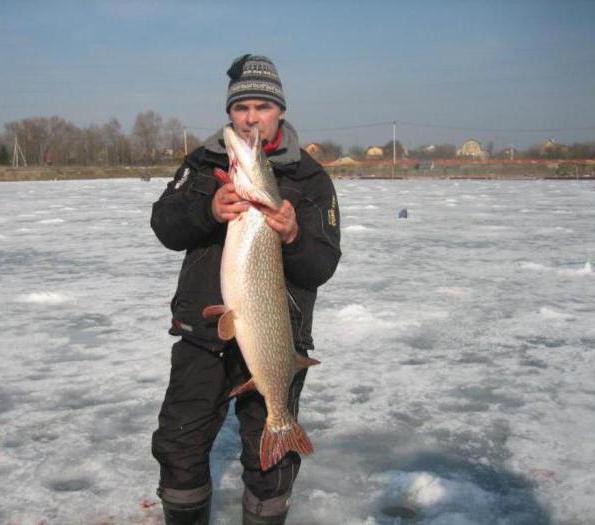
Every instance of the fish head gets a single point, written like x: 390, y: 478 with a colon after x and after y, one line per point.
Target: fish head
x: 249, y: 170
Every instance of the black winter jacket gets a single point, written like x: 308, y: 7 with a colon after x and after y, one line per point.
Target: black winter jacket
x: 182, y: 220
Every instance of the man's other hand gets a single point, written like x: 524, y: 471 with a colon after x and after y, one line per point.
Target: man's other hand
x: 283, y: 221
x: 227, y: 204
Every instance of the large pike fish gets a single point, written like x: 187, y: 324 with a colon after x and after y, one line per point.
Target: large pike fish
x: 256, y: 309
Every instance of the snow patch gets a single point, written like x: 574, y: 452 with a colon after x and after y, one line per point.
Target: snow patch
x: 550, y: 313
x: 51, y: 221
x: 433, y: 494
x: 533, y: 266
x: 355, y: 322
x: 45, y: 298
x: 356, y: 228
x: 453, y: 291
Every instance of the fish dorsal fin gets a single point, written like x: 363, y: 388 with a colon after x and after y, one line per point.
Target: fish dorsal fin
x: 243, y: 388
x: 301, y: 361
x: 225, y: 327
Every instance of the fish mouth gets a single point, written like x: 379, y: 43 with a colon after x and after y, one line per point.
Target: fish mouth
x: 244, y: 159
x: 245, y: 134
x: 241, y: 151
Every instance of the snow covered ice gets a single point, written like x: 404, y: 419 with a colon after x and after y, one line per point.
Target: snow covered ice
x: 457, y: 349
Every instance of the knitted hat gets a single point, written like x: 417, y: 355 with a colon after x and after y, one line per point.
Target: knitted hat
x: 254, y: 76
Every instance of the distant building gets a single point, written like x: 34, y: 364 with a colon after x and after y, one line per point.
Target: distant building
x: 552, y: 148
x: 374, y: 152
x: 509, y: 153
x: 548, y: 146
x: 472, y: 149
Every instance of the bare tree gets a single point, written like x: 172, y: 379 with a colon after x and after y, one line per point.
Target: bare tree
x: 192, y: 141
x: 32, y: 135
x: 113, y: 139
x: 581, y: 150
x: 388, y: 150
x: 490, y: 148
x: 330, y: 151
x: 63, y: 140
x: 4, y: 155
x: 93, y: 146
x: 356, y: 152
x: 146, y: 132
x: 173, y: 137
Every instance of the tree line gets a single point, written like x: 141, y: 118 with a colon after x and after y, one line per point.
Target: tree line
x: 55, y: 140
x: 154, y: 140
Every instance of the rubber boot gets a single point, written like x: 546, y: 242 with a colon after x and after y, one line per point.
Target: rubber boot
x: 268, y: 512
x: 196, y: 514
x: 253, y: 519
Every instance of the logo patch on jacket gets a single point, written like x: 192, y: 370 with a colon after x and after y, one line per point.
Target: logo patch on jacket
x: 183, y: 178
x: 332, y: 216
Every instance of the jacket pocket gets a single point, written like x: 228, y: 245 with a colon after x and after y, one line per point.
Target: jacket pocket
x: 191, y: 260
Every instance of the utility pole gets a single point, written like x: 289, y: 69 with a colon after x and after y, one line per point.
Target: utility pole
x: 17, y: 153
x: 394, y: 147
x: 185, y: 142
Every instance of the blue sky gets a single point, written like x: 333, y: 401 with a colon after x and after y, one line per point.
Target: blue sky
x: 429, y: 65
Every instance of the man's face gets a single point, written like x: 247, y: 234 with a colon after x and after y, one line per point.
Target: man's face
x: 265, y: 115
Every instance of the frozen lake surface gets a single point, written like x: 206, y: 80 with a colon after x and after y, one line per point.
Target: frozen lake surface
x: 457, y: 349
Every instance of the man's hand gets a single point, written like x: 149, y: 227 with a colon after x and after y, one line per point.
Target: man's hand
x: 283, y: 221
x: 227, y: 204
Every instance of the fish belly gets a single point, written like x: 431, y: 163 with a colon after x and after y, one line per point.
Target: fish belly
x: 253, y: 287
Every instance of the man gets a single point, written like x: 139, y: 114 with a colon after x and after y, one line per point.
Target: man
x: 192, y: 215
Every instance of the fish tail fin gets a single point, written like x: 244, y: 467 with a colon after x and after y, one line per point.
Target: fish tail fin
x: 274, y: 444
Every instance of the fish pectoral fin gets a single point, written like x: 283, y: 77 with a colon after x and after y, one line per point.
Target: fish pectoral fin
x: 213, y: 310
x: 225, y: 327
x: 243, y: 388
x: 301, y: 361
x: 221, y: 176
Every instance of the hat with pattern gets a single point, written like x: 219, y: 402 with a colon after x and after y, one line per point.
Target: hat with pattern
x: 254, y: 76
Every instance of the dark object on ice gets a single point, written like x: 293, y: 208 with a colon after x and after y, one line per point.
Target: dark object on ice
x: 145, y: 177
x: 402, y: 213
x: 425, y: 165
x: 400, y: 511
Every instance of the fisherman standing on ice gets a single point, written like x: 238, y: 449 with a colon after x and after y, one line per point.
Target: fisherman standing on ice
x: 192, y: 215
